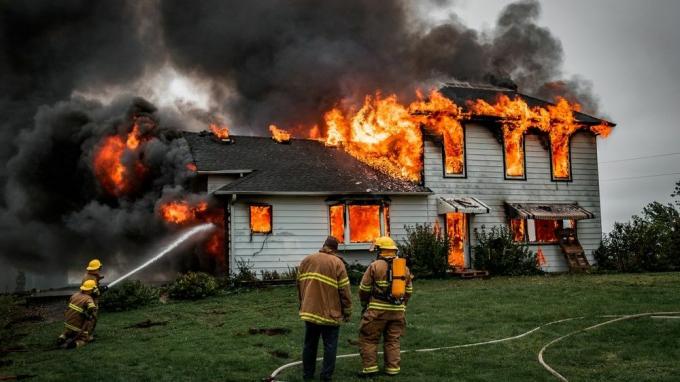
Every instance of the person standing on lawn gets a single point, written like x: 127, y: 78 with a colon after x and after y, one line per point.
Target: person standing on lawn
x: 325, y: 301
x: 383, y: 313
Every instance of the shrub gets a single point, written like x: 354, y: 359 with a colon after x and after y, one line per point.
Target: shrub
x: 128, y: 295
x: 355, y: 272
x: 270, y: 275
x: 290, y: 274
x: 497, y: 252
x: 193, y: 286
x: 426, y: 249
x: 650, y: 242
x: 245, y: 272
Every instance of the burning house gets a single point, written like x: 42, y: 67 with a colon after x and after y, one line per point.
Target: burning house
x: 500, y: 158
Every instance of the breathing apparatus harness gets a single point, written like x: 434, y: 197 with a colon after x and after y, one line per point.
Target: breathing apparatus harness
x: 386, y: 294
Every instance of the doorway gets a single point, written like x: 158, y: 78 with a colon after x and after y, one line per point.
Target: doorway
x: 456, y: 232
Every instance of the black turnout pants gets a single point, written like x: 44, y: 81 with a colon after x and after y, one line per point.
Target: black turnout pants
x: 330, y: 349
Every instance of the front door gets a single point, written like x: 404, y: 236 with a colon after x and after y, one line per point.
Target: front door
x: 456, y: 231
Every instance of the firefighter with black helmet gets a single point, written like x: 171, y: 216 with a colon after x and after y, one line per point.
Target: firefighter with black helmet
x: 384, y: 292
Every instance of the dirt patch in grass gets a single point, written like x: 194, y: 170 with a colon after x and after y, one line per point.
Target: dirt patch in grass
x: 269, y: 331
x: 147, y: 324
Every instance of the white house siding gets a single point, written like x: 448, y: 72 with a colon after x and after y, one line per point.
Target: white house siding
x: 485, y: 181
x: 300, y: 226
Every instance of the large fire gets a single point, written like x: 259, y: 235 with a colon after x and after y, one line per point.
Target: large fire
x: 386, y: 133
x: 183, y: 213
x: 337, y: 222
x: 117, y: 162
x: 381, y: 133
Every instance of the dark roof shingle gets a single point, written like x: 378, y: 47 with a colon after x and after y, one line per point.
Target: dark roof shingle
x: 302, y: 167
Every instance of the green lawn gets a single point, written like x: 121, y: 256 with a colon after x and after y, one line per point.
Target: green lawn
x: 209, y: 339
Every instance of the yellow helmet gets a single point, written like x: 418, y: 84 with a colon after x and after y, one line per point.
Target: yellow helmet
x: 88, y: 285
x: 94, y: 265
x: 385, y: 242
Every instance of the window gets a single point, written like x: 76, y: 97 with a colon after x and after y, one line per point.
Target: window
x: 538, y: 231
x: 366, y: 221
x: 260, y: 218
x: 513, y: 153
x: 560, y: 157
x: 453, y: 151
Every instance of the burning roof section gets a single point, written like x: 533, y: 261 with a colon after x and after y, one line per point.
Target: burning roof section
x: 301, y: 167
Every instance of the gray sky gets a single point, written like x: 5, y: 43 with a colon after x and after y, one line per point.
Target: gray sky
x: 630, y: 50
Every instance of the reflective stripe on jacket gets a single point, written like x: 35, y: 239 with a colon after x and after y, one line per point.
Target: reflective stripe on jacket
x: 81, y: 308
x: 323, y: 289
x: 374, y: 284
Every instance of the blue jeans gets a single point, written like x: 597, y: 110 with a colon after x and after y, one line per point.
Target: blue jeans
x: 330, y: 349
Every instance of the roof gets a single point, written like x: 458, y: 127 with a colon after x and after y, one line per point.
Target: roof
x: 548, y: 211
x: 460, y: 93
x: 301, y: 167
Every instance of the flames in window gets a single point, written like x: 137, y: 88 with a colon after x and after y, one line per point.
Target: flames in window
x: 364, y: 223
x: 543, y: 231
x: 546, y: 230
x: 518, y: 229
x: 185, y: 213
x: 456, y: 230
x: 337, y: 222
x: 261, y: 219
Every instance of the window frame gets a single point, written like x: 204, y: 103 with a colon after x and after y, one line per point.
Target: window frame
x: 384, y: 218
x: 524, y: 159
x: 526, y: 231
x: 250, y: 218
x: 464, y: 175
x: 550, y: 159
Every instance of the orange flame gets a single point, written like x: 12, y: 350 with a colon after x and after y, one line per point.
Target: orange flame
x: 182, y: 212
x: 364, y: 222
x: 261, y: 219
x: 382, y: 133
x: 518, y: 228
x: 457, y: 233
x: 441, y: 116
x: 337, y: 222
x: 114, y: 175
x: 603, y: 129
x: 279, y: 135
x: 221, y: 132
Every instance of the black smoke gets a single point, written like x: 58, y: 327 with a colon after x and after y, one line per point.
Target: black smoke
x: 270, y: 61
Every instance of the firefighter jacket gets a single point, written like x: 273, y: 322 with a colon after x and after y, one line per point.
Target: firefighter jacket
x: 323, y: 289
x: 374, y: 288
x: 96, y: 277
x: 81, y: 310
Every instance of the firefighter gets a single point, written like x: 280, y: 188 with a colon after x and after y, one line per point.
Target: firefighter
x: 383, y: 313
x: 78, y: 317
x: 325, y: 301
x: 93, y: 272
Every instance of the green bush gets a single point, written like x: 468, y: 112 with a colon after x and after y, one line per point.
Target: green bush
x: 650, y: 242
x: 128, y: 295
x: 355, y: 272
x: 426, y: 249
x: 497, y: 252
x: 244, y: 272
x: 193, y: 286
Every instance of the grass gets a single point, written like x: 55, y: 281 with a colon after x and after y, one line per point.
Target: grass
x: 209, y: 340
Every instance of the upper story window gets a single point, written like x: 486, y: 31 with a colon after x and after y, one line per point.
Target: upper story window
x: 560, y: 156
x: 539, y: 231
x: 359, y: 221
x: 514, y: 158
x: 454, y: 150
x: 260, y: 218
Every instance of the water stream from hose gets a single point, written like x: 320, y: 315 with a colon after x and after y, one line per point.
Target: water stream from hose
x: 186, y: 235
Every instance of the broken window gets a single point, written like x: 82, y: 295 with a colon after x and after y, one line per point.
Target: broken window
x: 366, y: 221
x: 260, y: 218
x: 456, y: 231
x: 538, y: 230
x: 513, y: 153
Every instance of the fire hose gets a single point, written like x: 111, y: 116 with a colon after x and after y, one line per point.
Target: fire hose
x: 275, y: 373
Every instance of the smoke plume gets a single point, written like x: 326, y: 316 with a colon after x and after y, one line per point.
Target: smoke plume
x: 283, y: 62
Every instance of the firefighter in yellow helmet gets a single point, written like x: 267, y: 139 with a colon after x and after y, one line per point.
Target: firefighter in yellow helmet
x: 384, y: 308
x: 79, y: 317
x: 93, y: 272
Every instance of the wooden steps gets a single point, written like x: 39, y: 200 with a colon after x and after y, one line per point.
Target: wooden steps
x: 573, y: 252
